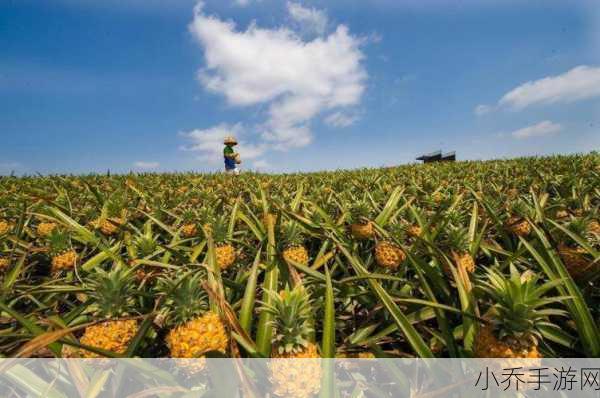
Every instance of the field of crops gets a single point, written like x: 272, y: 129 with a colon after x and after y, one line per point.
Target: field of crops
x: 467, y: 259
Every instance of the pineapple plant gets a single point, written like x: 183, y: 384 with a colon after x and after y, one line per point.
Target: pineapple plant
x: 113, y: 217
x: 224, y: 250
x: 455, y: 240
x: 143, y: 245
x: 5, y: 227
x: 4, y: 263
x: 189, y: 228
x: 64, y: 257
x: 575, y: 257
x: 194, y: 330
x: 113, y: 295
x: 517, y: 223
x: 44, y: 229
x: 293, y: 244
x: 361, y: 226
x: 594, y: 228
x: 414, y: 230
x: 387, y: 253
x: 518, y: 310
x: 295, y: 370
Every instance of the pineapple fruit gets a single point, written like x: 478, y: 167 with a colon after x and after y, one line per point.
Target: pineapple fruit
x: 194, y: 330
x: 44, y: 229
x: 5, y: 227
x: 414, y: 230
x: 517, y: 223
x: 188, y: 221
x: 361, y: 226
x: 113, y: 217
x: 295, y: 370
x: 387, y: 253
x: 575, y: 257
x: 594, y: 228
x: 294, y: 250
x: 4, y: 263
x: 224, y: 250
x: 112, y: 292
x: 456, y: 241
x: 514, y: 318
x: 64, y: 257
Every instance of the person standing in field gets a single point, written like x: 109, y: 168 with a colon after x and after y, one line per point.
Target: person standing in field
x: 232, y: 158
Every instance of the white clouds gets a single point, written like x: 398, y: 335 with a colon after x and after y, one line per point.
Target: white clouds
x: 311, y: 19
x: 146, y: 165
x: 261, y: 165
x: 580, y: 83
x: 540, y: 129
x: 297, y: 79
x: 481, y: 110
x: 209, y: 143
x: 341, y: 119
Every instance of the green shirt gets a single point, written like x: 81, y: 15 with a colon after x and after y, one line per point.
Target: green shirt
x: 228, y: 150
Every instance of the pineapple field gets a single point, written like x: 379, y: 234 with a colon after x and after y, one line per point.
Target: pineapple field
x: 467, y: 259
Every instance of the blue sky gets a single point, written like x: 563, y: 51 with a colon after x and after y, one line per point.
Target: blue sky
x: 87, y: 86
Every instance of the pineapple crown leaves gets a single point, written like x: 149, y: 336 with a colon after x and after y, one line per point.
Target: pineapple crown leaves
x: 184, y: 297
x: 581, y: 228
x: 292, y: 234
x: 113, y: 291
x: 145, y: 245
x: 60, y: 241
x: 396, y: 232
x: 522, y: 209
x: 188, y: 216
x: 218, y: 227
x: 115, y: 206
x: 455, y: 238
x: 292, y: 310
x: 520, y: 302
x: 360, y: 212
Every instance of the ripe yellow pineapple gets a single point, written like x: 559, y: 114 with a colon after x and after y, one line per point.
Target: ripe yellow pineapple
x: 113, y: 292
x: 387, y: 253
x: 189, y: 230
x: 113, y: 216
x: 110, y: 226
x: 455, y: 241
x: 224, y: 250
x: 295, y: 370
x: 437, y: 197
x: 293, y: 244
x: 517, y: 223
x: 414, y: 230
x: 514, y: 318
x: 5, y: 227
x: 4, y: 263
x: 44, y: 229
x: 189, y: 227
x: 518, y: 226
x: 577, y: 262
x: 594, y: 228
x: 194, y: 330
x: 64, y: 257
x: 361, y: 225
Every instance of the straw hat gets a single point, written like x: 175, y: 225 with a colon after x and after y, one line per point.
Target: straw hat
x: 230, y: 140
